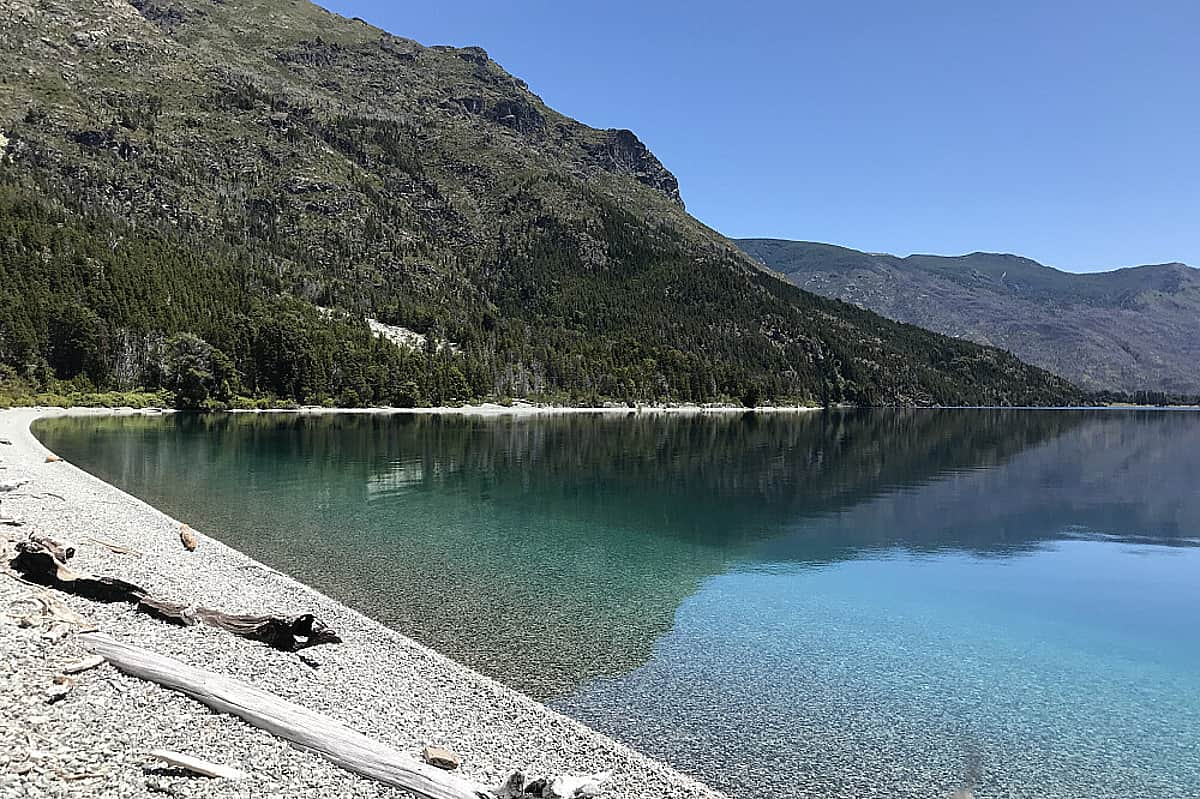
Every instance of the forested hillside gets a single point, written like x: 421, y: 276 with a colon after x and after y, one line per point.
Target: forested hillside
x: 1133, y: 330
x: 213, y: 197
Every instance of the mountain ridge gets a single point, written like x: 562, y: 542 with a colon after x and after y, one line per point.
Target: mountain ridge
x: 226, y: 170
x: 1128, y: 329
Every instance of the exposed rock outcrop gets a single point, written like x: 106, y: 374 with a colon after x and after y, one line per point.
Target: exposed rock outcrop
x: 621, y: 151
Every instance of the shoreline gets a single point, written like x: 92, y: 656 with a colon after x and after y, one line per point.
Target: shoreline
x: 522, y: 409
x: 378, y: 681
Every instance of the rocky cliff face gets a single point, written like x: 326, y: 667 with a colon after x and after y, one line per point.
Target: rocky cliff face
x: 621, y: 151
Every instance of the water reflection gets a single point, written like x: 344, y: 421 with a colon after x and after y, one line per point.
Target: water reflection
x: 550, y: 551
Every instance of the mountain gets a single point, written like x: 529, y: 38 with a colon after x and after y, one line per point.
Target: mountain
x: 265, y: 177
x: 1135, y: 329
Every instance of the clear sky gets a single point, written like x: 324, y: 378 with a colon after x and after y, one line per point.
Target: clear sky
x: 1064, y: 131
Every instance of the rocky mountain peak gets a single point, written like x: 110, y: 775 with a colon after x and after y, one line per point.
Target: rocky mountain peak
x: 621, y: 151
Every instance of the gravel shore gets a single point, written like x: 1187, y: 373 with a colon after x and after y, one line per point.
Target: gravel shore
x: 95, y: 741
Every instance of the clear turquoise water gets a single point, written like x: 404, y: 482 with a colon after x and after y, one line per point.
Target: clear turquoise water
x: 889, y: 604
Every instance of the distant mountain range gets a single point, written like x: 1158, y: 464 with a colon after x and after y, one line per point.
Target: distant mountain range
x: 1126, y: 330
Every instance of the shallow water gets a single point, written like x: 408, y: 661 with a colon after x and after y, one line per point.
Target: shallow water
x: 849, y: 604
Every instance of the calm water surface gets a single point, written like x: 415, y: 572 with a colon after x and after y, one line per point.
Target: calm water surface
x: 858, y: 604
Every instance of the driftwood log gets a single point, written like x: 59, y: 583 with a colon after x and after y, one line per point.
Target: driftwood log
x: 43, y: 560
x: 305, y: 728
x: 198, y: 766
x: 289, y: 633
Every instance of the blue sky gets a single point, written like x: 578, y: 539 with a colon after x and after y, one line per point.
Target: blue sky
x: 1064, y: 131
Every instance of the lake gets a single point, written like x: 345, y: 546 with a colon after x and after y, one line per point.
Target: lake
x: 848, y: 604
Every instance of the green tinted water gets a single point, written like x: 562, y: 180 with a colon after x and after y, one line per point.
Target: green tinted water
x: 859, y: 604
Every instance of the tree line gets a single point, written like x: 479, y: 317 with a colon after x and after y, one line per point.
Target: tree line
x: 92, y: 302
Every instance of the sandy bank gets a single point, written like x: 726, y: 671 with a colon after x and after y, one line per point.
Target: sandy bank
x: 94, y: 742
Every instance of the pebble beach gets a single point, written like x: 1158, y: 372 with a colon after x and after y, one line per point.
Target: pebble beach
x: 95, y: 740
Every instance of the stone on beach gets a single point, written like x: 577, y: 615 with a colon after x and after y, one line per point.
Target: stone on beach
x: 441, y: 757
x: 57, y: 692
x: 187, y: 536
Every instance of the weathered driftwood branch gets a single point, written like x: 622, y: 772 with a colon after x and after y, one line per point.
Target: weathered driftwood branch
x: 198, y: 766
x: 60, y: 550
x: 43, y: 560
x: 114, y: 548
x: 289, y: 633
x: 305, y: 728
x: 45, y: 610
x: 80, y: 666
